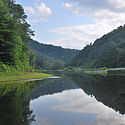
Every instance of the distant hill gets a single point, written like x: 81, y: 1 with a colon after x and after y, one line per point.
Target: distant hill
x: 49, y: 56
x: 55, y: 52
x: 108, y: 51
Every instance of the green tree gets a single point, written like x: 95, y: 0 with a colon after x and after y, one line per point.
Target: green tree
x: 10, y: 41
x: 15, y: 34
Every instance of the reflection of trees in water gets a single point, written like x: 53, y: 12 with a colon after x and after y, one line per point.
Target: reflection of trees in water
x: 14, y: 104
x: 109, y: 90
x: 15, y: 98
x: 51, y: 86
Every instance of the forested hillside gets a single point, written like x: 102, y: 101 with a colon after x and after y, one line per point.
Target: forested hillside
x: 15, y: 34
x: 19, y: 52
x: 45, y: 62
x: 108, y: 51
x: 55, y: 52
x: 49, y: 56
x: 15, y: 38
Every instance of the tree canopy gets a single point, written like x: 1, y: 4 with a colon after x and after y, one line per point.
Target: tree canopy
x: 15, y: 34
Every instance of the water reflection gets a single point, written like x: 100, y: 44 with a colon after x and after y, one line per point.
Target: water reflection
x: 76, y: 99
x: 14, y: 104
x: 75, y: 109
x: 51, y: 86
x: 109, y: 90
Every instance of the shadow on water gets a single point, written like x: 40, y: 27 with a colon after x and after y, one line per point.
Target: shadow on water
x: 15, y: 98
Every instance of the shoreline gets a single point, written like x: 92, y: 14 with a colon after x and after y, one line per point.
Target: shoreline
x: 23, y: 76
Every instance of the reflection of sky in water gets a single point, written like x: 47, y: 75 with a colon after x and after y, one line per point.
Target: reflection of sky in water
x: 73, y: 107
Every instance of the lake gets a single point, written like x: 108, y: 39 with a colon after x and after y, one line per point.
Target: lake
x: 72, y: 99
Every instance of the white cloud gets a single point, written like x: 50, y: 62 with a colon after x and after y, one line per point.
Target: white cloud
x: 118, y: 4
x: 79, y: 36
x: 107, y: 15
x: 112, y: 5
x: 41, y: 12
x: 108, y: 11
x: 72, y: 9
x: 68, y: 42
x: 30, y: 10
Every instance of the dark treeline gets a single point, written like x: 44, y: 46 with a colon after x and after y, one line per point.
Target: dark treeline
x: 108, y: 51
x: 15, y: 34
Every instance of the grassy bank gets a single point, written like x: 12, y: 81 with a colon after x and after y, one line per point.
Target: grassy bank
x: 107, y: 71
x: 22, y: 76
x: 102, y: 71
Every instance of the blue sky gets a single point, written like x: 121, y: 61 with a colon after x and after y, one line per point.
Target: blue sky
x: 73, y: 23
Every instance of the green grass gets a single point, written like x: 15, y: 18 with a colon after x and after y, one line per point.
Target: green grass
x: 22, y: 76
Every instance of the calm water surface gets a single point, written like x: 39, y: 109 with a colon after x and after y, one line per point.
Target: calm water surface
x: 77, y: 99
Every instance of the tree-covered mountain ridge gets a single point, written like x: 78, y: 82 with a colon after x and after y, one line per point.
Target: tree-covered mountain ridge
x: 56, y: 52
x: 49, y: 56
x: 108, y: 51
